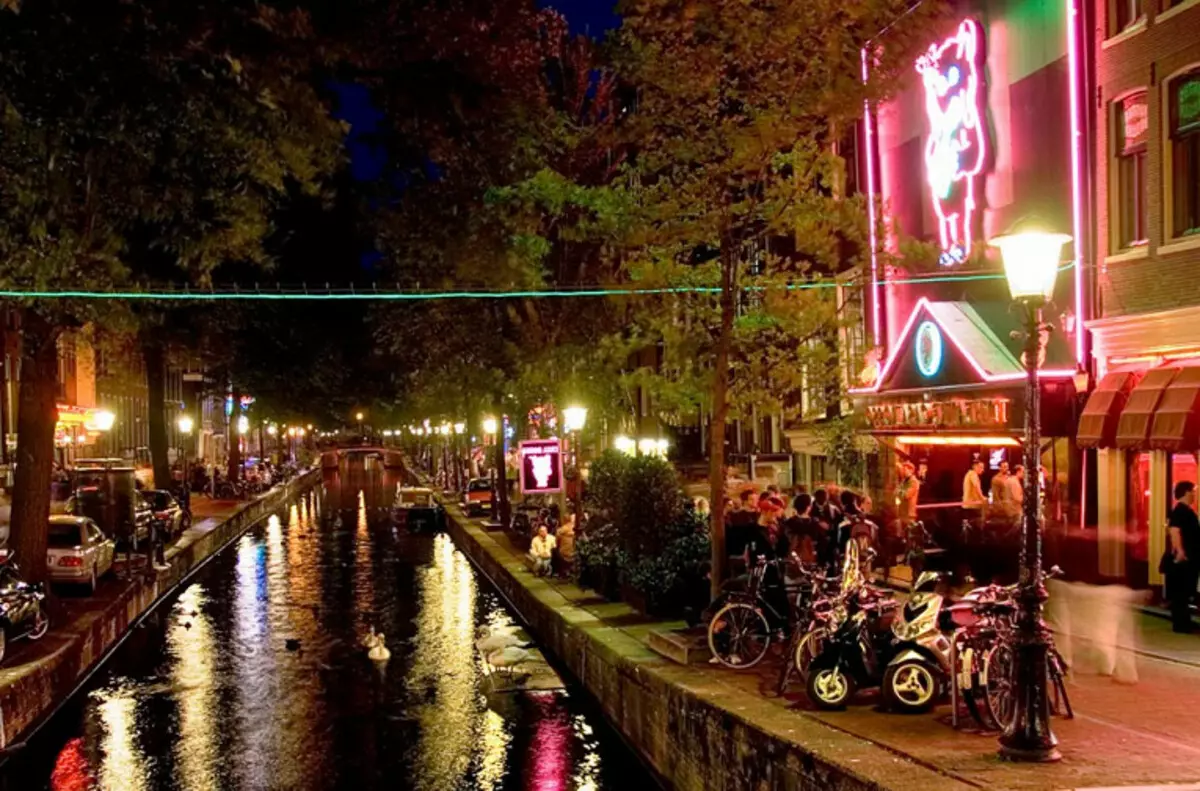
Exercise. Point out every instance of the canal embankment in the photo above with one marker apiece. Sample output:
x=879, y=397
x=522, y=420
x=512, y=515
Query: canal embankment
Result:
x=37, y=678
x=694, y=730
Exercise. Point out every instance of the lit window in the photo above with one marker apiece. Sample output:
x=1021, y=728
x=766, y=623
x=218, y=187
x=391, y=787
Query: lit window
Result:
x=1132, y=120
x=1126, y=14
x=1184, y=93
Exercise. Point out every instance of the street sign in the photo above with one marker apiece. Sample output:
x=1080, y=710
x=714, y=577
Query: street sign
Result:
x=541, y=466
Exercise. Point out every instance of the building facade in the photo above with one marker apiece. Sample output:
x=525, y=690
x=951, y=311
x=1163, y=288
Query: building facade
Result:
x=990, y=129
x=1142, y=420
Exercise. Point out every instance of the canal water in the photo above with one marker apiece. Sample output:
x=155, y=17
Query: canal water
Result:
x=253, y=676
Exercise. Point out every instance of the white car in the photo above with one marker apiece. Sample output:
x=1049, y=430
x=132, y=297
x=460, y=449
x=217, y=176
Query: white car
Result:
x=78, y=551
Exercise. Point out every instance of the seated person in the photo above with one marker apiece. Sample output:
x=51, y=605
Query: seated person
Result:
x=541, y=551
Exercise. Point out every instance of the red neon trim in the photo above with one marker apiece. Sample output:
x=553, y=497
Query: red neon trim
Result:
x=954, y=129
x=923, y=302
x=872, y=234
x=1077, y=143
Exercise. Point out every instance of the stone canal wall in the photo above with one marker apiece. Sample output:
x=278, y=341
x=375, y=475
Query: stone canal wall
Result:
x=32, y=690
x=695, y=735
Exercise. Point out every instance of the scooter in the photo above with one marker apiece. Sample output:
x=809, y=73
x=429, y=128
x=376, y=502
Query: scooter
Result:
x=920, y=665
x=21, y=610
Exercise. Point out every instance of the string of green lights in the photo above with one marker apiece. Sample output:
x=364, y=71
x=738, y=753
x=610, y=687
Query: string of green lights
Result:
x=416, y=295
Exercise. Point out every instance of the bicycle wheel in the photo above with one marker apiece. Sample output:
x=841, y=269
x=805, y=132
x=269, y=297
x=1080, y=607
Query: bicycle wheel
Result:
x=1060, y=704
x=739, y=635
x=1000, y=699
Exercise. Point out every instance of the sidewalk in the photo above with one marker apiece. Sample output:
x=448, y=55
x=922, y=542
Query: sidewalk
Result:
x=1124, y=736
x=36, y=676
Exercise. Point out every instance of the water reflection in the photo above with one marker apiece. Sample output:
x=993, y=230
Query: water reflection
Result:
x=254, y=678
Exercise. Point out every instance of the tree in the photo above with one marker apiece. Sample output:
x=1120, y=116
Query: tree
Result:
x=739, y=106
x=138, y=142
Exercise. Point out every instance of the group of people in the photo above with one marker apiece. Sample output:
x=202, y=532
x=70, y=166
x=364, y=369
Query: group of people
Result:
x=551, y=552
x=815, y=527
x=1007, y=489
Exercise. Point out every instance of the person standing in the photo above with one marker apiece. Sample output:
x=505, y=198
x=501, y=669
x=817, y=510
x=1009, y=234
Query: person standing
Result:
x=1183, y=530
x=1001, y=494
x=974, y=504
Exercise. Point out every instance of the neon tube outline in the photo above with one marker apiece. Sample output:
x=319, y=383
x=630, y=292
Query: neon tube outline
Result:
x=1076, y=171
x=924, y=303
x=872, y=233
x=966, y=39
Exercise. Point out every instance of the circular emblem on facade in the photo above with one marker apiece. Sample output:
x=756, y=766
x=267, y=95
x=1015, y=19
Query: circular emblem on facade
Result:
x=929, y=349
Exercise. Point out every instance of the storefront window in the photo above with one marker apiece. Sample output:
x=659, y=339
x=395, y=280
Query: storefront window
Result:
x=1137, y=529
x=1185, y=154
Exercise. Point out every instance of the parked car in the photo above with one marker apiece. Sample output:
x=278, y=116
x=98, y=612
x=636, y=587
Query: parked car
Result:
x=78, y=551
x=478, y=497
x=171, y=517
x=21, y=611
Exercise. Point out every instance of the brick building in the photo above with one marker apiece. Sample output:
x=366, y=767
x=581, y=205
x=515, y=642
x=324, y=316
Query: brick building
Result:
x=1145, y=325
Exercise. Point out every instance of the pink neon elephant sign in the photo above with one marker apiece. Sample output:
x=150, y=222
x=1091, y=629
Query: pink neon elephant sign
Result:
x=956, y=148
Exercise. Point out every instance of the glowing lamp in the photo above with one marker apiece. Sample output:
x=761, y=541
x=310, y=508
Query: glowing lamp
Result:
x=103, y=420
x=292, y=431
x=272, y=429
x=1031, y=255
x=575, y=417
x=489, y=425
x=185, y=424
x=387, y=432
x=243, y=424
x=358, y=416
x=460, y=428
x=625, y=445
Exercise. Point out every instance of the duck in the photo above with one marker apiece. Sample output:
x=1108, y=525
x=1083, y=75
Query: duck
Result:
x=379, y=652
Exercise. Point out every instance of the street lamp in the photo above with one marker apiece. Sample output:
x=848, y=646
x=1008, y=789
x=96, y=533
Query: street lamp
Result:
x=1031, y=256
x=489, y=425
x=574, y=419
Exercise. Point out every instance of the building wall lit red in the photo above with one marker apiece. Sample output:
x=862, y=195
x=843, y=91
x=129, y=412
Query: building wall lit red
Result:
x=990, y=130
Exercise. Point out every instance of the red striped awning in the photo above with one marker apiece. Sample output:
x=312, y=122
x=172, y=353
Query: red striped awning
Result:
x=1133, y=429
x=1176, y=425
x=1098, y=423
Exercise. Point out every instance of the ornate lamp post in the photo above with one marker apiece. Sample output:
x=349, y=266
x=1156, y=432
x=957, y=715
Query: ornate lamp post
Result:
x=574, y=419
x=1031, y=256
x=185, y=424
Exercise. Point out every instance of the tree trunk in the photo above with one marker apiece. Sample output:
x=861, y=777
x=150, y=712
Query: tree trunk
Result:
x=501, y=464
x=716, y=428
x=36, y=418
x=154, y=356
x=235, y=447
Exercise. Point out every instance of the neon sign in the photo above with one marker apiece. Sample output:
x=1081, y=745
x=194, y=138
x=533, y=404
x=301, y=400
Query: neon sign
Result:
x=928, y=349
x=956, y=148
x=541, y=466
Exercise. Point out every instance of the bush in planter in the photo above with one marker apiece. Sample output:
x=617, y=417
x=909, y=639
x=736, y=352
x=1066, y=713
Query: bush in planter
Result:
x=605, y=492
x=598, y=560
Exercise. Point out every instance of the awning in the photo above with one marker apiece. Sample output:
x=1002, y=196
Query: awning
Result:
x=1098, y=423
x=1134, y=426
x=1176, y=424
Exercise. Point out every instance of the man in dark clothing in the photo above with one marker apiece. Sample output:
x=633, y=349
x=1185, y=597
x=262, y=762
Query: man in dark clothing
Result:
x=1183, y=565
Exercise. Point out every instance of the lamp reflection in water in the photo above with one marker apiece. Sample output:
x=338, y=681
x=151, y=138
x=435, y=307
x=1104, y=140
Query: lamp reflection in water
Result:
x=191, y=648
x=124, y=763
x=443, y=674
x=253, y=698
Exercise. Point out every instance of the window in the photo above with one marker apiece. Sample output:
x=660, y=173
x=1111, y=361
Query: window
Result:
x=1126, y=13
x=1132, y=121
x=1184, y=97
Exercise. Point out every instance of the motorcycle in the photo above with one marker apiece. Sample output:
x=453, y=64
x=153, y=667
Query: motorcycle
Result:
x=22, y=613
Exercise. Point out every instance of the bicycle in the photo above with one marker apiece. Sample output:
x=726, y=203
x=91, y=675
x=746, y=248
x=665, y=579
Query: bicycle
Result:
x=740, y=632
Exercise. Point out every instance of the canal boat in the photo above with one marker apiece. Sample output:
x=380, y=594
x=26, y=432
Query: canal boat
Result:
x=417, y=508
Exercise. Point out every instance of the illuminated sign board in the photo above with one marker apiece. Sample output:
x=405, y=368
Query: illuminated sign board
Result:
x=963, y=413
x=541, y=466
x=956, y=148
